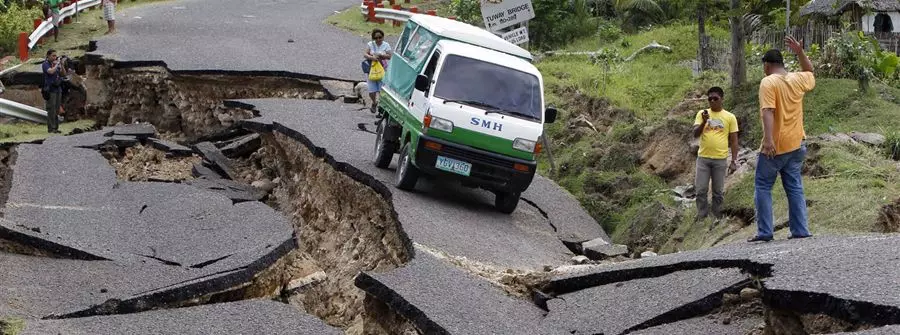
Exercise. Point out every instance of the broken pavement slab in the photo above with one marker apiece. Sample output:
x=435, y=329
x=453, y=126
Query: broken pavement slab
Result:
x=242, y=146
x=215, y=156
x=599, y=249
x=170, y=147
x=705, y=325
x=617, y=308
x=242, y=317
x=201, y=171
x=180, y=242
x=797, y=275
x=439, y=298
x=336, y=89
x=138, y=130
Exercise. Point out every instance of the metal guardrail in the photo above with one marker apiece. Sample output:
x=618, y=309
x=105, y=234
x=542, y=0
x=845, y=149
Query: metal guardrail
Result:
x=22, y=111
x=47, y=25
x=387, y=13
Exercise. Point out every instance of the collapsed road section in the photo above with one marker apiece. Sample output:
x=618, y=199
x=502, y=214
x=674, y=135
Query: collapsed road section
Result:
x=181, y=201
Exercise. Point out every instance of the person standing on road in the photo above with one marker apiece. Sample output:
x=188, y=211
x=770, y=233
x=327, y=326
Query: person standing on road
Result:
x=53, y=70
x=717, y=130
x=377, y=50
x=783, y=146
x=109, y=14
x=53, y=12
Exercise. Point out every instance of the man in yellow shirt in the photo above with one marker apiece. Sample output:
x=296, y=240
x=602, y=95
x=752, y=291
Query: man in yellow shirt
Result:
x=783, y=146
x=717, y=130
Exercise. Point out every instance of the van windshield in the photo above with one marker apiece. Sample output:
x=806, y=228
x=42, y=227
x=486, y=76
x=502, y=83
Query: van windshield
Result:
x=510, y=91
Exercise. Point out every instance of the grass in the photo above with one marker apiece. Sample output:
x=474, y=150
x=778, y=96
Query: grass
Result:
x=846, y=200
x=619, y=195
x=833, y=106
x=352, y=20
x=648, y=85
x=11, y=325
x=28, y=132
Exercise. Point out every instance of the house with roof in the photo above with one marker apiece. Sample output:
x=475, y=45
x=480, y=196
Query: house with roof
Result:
x=880, y=18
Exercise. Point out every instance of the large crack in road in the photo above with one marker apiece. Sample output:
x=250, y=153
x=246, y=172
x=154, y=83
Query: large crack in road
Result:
x=295, y=231
x=363, y=256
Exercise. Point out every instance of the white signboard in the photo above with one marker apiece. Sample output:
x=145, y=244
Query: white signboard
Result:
x=517, y=36
x=499, y=14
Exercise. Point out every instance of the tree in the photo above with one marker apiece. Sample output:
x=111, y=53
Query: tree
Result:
x=635, y=13
x=701, y=35
x=738, y=62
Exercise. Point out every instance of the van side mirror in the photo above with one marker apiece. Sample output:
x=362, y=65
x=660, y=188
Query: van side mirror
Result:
x=422, y=83
x=550, y=115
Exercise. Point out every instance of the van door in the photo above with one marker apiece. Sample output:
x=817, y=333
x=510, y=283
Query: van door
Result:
x=419, y=103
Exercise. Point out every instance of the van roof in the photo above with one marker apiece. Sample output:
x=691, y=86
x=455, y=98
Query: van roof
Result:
x=467, y=33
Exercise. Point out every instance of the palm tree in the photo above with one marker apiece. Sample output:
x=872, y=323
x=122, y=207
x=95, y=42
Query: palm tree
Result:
x=636, y=12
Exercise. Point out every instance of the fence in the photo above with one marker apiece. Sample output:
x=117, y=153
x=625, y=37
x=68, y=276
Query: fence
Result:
x=813, y=33
x=375, y=11
x=43, y=27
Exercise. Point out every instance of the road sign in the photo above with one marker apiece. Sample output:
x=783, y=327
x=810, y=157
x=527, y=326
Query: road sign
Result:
x=499, y=14
x=516, y=36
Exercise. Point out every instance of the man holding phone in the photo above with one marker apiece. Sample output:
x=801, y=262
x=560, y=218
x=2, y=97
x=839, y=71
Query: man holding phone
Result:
x=54, y=70
x=717, y=130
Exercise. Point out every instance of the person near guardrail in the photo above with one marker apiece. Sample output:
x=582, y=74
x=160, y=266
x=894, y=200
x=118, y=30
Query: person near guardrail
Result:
x=52, y=11
x=109, y=14
x=51, y=90
x=377, y=50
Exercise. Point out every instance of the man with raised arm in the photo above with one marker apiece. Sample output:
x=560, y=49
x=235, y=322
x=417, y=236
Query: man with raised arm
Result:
x=783, y=147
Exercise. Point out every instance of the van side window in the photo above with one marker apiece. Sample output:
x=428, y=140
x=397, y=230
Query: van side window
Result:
x=420, y=44
x=404, y=37
x=432, y=65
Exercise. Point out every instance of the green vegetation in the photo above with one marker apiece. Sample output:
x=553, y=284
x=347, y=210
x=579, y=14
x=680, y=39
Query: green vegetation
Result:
x=649, y=85
x=28, y=132
x=352, y=20
x=845, y=186
x=15, y=19
x=11, y=326
x=622, y=140
x=629, y=101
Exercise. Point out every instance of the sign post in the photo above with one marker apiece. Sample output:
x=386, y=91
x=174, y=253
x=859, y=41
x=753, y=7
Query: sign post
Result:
x=516, y=36
x=501, y=14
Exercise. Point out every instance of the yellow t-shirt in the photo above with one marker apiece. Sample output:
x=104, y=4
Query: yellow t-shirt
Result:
x=714, y=139
x=784, y=93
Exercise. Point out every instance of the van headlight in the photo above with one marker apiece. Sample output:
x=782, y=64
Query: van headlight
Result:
x=524, y=145
x=441, y=124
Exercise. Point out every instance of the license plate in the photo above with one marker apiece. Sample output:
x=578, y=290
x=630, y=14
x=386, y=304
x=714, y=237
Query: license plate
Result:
x=453, y=165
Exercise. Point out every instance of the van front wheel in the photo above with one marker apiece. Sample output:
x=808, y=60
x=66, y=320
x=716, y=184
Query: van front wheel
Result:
x=384, y=149
x=407, y=174
x=506, y=202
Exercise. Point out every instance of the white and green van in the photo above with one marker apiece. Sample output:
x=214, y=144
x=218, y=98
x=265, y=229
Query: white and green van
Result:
x=460, y=102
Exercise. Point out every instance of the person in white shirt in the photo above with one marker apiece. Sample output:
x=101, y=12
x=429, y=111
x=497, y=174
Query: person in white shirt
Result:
x=377, y=50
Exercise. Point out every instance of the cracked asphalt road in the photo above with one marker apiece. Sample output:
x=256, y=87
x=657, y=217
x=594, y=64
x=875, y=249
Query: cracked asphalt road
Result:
x=445, y=216
x=824, y=274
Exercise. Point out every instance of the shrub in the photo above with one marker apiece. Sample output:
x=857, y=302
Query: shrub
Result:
x=468, y=11
x=609, y=32
x=857, y=56
x=558, y=23
x=16, y=19
x=892, y=145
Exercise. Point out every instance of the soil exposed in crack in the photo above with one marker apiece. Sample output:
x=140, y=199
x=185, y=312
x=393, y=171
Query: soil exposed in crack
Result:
x=343, y=226
x=181, y=106
x=144, y=163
